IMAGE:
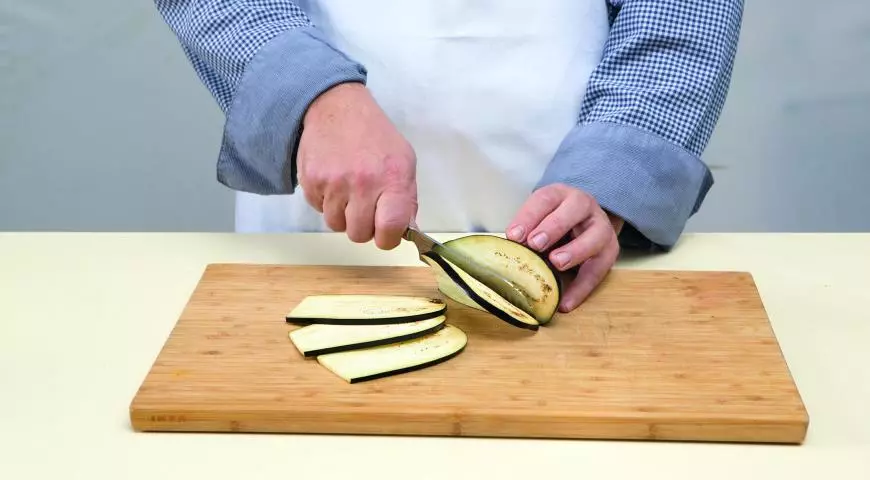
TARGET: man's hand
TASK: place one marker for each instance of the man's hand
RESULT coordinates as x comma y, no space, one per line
356,168
558,210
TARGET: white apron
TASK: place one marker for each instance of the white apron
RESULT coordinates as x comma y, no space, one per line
484,90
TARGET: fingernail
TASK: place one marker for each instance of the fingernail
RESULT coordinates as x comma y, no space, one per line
539,240
561,258
516,233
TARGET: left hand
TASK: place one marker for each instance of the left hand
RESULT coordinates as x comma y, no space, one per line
555,211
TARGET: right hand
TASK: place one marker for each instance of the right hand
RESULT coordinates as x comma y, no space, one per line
356,168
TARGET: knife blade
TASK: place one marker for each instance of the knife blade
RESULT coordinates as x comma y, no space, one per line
483,274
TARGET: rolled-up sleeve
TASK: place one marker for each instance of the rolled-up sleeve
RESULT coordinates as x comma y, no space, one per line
649,110
264,62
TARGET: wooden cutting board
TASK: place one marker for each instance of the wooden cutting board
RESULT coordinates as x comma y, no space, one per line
656,355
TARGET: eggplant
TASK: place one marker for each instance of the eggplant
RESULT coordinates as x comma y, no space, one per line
365,309
314,340
365,364
528,269
470,292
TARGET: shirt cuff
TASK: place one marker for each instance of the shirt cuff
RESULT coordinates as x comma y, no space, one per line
651,183
264,120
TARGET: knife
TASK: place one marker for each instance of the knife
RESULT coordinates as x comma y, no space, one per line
485,275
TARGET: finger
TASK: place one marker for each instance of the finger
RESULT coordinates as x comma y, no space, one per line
313,196
589,276
312,186
591,238
540,204
360,215
574,210
616,222
334,207
393,213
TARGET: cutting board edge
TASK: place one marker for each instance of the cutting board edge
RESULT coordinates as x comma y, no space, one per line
782,431
216,265
788,368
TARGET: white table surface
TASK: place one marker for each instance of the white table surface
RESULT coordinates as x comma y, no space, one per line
82,317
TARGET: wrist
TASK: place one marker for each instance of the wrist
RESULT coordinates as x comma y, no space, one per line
334,99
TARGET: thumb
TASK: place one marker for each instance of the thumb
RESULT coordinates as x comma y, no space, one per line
393,213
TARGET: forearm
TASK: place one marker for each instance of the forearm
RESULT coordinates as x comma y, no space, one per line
264,63
649,110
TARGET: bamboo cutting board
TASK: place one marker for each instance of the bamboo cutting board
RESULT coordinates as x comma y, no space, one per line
656,355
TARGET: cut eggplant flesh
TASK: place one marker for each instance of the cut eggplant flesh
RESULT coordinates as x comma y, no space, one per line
365,309
377,362
519,264
471,291
485,275
313,340
451,289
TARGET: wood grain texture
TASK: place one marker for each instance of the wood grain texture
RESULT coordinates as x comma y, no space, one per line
654,355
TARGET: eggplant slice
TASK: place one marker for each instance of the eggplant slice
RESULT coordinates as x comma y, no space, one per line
377,362
477,295
314,340
451,289
526,268
365,309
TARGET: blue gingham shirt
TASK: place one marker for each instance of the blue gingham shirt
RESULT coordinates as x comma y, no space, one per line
649,110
